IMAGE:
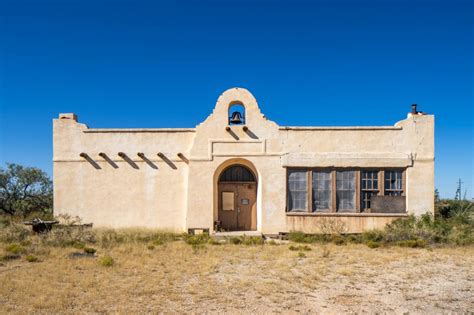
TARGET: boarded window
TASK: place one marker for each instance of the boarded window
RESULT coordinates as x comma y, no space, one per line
369,186
345,191
393,183
227,201
297,190
322,188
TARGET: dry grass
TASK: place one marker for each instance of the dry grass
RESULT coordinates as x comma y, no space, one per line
177,277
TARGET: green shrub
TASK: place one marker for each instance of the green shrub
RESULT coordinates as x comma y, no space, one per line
373,235
150,247
199,239
300,237
338,239
90,250
7,257
31,258
67,236
106,261
373,244
301,255
412,243
299,248
354,238
272,242
4,221
79,245
235,240
15,249
109,238
14,232
253,240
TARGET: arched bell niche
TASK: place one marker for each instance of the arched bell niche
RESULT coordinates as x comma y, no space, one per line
236,114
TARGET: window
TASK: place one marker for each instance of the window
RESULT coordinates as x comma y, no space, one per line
322,188
342,190
228,201
237,173
297,190
369,186
345,191
393,183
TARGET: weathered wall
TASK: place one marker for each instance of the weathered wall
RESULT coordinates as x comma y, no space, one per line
186,196
120,192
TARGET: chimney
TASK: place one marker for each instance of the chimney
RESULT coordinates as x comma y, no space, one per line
71,116
413,109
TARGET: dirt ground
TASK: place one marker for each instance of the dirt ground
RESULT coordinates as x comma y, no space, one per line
174,278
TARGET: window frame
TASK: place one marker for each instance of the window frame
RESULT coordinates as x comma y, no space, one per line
333,174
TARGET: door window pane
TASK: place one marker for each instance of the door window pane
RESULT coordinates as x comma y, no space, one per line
227,201
322,191
345,191
297,190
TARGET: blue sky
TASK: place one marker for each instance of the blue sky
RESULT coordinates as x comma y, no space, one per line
163,64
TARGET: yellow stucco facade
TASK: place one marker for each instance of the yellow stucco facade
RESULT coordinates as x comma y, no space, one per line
168,178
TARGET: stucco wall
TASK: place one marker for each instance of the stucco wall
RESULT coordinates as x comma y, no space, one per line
184,194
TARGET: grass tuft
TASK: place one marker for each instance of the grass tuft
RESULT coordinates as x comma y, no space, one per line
106,261
31,258
15,249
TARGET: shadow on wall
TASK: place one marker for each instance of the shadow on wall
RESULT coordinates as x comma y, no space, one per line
132,163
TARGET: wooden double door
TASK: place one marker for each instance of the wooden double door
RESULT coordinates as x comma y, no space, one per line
237,206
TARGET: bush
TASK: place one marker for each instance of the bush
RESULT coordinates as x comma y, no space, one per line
300,237
109,238
412,243
373,244
253,240
299,248
235,240
372,236
338,239
68,236
31,258
15,249
301,255
106,261
7,257
199,239
90,250
14,232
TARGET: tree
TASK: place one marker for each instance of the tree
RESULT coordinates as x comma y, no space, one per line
24,190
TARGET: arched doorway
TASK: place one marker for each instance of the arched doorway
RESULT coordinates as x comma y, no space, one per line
237,199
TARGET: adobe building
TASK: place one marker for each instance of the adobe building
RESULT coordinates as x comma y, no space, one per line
238,170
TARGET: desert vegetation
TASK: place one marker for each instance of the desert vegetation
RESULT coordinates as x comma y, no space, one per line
416,264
